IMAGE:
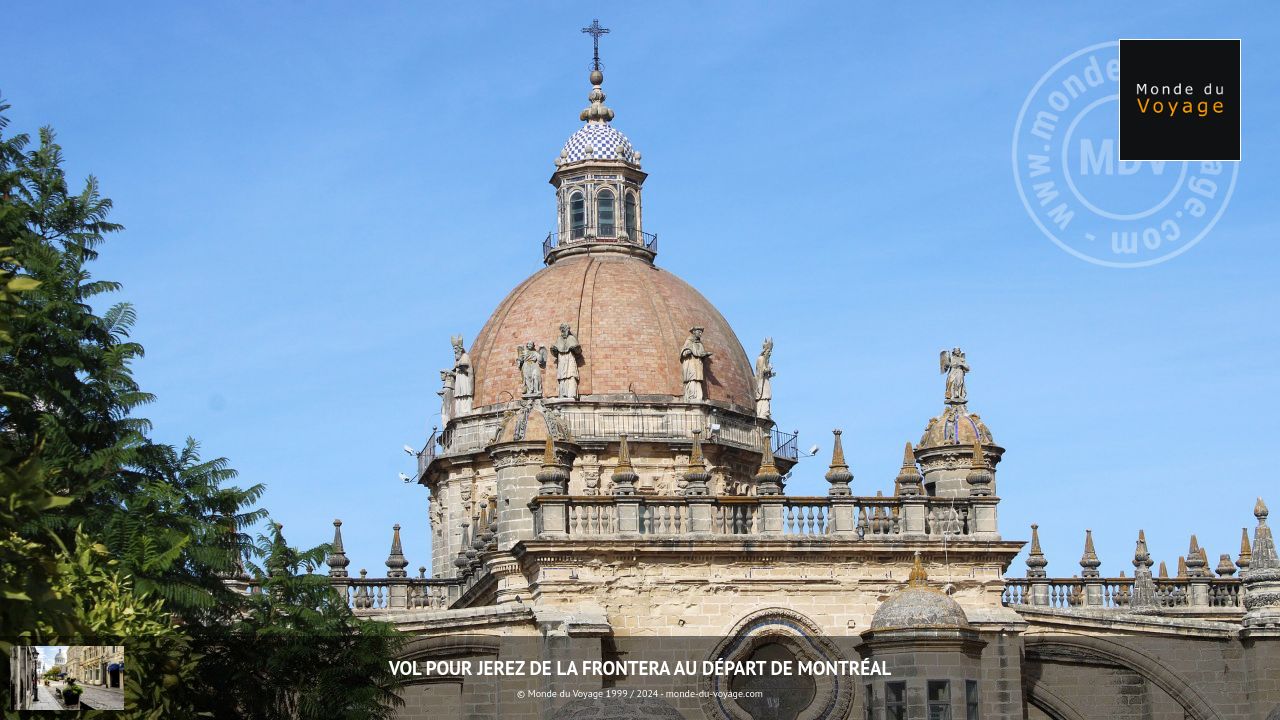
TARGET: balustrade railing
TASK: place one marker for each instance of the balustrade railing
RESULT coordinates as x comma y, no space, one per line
470,436
367,594
864,518
1117,593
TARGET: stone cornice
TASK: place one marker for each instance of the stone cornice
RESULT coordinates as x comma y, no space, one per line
1042,620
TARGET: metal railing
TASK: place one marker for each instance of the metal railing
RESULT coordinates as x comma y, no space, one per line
615,234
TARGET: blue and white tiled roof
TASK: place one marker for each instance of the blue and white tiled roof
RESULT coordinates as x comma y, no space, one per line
598,141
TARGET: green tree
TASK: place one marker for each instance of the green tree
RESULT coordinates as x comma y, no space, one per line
106,534
299,653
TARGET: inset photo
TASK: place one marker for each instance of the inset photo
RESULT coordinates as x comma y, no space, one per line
66,677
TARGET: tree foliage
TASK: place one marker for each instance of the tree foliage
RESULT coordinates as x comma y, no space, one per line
109,536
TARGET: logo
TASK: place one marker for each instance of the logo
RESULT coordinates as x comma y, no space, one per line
1083,197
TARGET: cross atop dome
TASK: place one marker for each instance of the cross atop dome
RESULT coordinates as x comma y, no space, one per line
595,31
597,112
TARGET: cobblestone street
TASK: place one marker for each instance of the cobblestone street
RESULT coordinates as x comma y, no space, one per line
99,698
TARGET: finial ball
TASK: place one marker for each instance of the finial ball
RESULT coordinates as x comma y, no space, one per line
597,77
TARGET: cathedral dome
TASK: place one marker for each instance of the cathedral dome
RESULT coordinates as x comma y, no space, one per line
598,141
919,606
631,318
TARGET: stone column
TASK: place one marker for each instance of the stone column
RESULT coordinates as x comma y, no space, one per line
1197,575
518,464
769,486
551,506
697,490
624,489
397,583
338,562
842,502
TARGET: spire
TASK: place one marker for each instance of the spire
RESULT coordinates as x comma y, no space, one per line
552,478
918,577
1246,553
695,471
1196,564
624,476
1164,570
460,561
395,561
838,474
1141,557
337,560
1144,589
1036,561
1264,547
979,477
909,481
768,479
1089,561
597,111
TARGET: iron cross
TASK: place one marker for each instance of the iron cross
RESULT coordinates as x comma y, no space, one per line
595,31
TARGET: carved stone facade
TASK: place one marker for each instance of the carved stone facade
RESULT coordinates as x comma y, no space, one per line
625,496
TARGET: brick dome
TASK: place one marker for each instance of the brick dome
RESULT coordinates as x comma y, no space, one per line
631,319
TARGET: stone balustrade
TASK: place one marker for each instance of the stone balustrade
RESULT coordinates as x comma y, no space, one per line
1117,593
863,518
367,595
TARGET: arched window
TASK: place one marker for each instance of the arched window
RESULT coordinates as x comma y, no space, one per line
632,217
605,215
577,216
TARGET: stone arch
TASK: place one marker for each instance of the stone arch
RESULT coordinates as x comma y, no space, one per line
1050,704
449,645
1148,666
803,638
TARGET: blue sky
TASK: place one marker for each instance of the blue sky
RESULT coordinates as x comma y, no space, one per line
317,195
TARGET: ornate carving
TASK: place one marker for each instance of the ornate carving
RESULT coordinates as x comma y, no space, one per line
566,351
512,458
531,360
953,364
693,360
464,383
764,380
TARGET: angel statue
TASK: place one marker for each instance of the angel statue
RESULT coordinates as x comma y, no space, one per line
764,380
463,383
952,363
531,360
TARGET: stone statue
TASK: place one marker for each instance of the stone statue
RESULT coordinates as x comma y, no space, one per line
446,397
693,359
531,360
764,380
566,350
952,363
463,383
